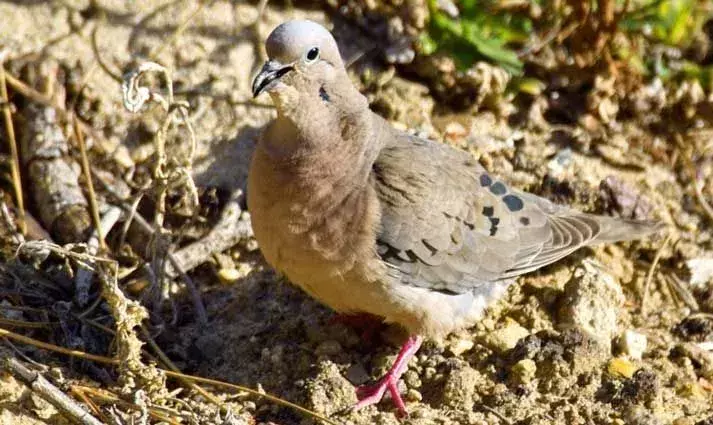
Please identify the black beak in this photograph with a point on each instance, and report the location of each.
(270, 72)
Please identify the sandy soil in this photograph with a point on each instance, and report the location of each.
(562, 348)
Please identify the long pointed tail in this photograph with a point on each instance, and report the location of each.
(619, 229)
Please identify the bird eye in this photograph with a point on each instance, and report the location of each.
(313, 54)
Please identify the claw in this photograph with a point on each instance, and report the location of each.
(372, 394)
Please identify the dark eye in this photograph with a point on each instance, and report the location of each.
(313, 54)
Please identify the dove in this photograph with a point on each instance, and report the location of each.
(370, 219)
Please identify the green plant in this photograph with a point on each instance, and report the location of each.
(481, 32)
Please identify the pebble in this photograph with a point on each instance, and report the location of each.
(459, 389)
(524, 371)
(506, 338)
(621, 367)
(357, 375)
(701, 269)
(460, 346)
(411, 379)
(692, 390)
(413, 395)
(633, 344)
(229, 275)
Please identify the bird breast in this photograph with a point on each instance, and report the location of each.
(310, 225)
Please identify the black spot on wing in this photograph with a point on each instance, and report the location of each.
(323, 94)
(498, 188)
(494, 221)
(488, 211)
(430, 247)
(525, 221)
(514, 203)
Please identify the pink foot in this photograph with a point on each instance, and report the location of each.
(372, 394)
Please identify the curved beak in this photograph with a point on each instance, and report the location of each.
(270, 73)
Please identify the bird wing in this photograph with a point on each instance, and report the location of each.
(448, 225)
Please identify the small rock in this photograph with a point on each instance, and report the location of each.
(328, 348)
(413, 395)
(638, 415)
(460, 346)
(619, 366)
(633, 344)
(701, 269)
(229, 275)
(357, 375)
(11, 390)
(329, 392)
(643, 388)
(619, 197)
(454, 132)
(560, 167)
(506, 338)
(459, 389)
(591, 302)
(692, 390)
(524, 371)
(411, 379)
(43, 409)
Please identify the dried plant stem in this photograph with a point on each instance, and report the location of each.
(44, 345)
(169, 373)
(698, 187)
(89, 403)
(25, 324)
(31, 93)
(15, 166)
(650, 275)
(95, 48)
(179, 30)
(250, 391)
(93, 204)
(170, 365)
(108, 397)
(49, 392)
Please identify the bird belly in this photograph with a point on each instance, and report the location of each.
(365, 286)
(435, 314)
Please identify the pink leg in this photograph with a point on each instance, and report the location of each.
(372, 394)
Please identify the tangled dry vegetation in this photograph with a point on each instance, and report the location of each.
(131, 291)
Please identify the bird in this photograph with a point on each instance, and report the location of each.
(367, 218)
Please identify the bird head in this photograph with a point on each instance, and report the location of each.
(303, 57)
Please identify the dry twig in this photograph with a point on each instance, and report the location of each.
(227, 232)
(650, 275)
(15, 165)
(93, 204)
(49, 392)
(107, 360)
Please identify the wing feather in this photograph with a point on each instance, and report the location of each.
(450, 226)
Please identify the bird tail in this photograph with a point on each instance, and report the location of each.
(618, 229)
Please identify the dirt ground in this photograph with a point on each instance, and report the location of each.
(578, 342)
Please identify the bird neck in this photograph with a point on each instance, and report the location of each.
(320, 153)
